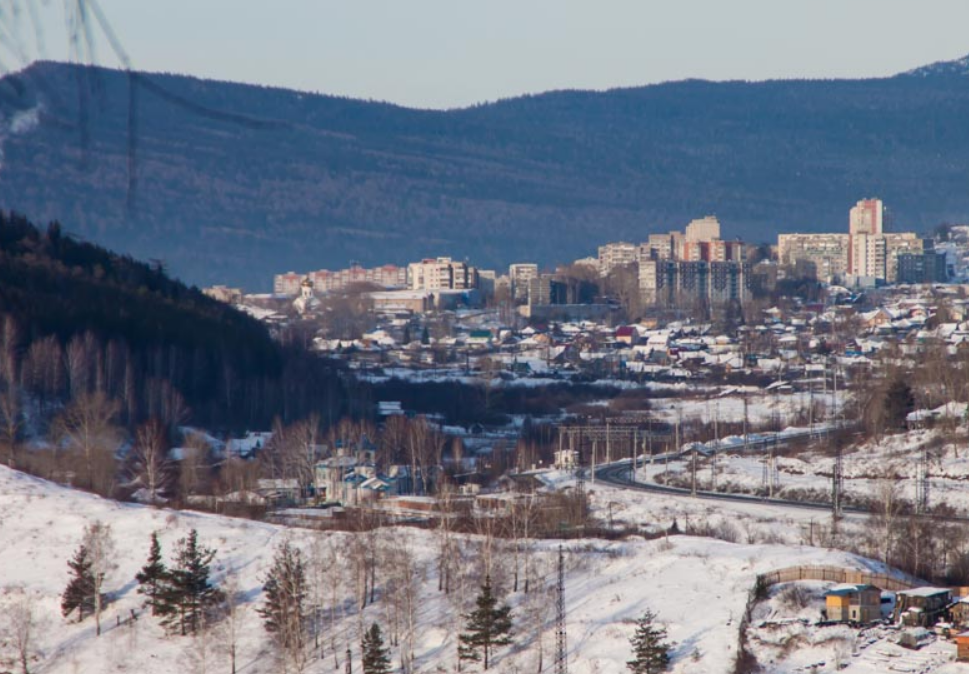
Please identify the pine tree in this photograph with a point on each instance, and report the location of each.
(650, 650)
(189, 594)
(488, 626)
(376, 658)
(284, 613)
(79, 593)
(153, 579)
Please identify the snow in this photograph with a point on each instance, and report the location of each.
(697, 586)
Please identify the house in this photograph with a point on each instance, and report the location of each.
(279, 492)
(626, 334)
(923, 606)
(853, 603)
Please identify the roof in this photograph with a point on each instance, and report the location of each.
(924, 591)
(846, 589)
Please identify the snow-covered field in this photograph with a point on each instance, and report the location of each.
(697, 586)
(868, 469)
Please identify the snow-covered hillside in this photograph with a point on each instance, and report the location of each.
(697, 586)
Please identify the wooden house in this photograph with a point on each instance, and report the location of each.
(853, 603)
(922, 606)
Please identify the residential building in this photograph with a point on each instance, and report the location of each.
(703, 229)
(617, 254)
(827, 254)
(866, 217)
(520, 274)
(324, 280)
(675, 283)
(853, 603)
(927, 267)
(287, 284)
(441, 273)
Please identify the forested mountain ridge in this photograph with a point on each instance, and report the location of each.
(232, 182)
(76, 319)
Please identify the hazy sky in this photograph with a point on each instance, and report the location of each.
(447, 53)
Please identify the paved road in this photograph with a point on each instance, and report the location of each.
(617, 474)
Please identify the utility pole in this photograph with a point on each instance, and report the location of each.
(561, 644)
(837, 485)
(922, 483)
(693, 471)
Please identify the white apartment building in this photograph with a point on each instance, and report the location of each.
(614, 255)
(440, 273)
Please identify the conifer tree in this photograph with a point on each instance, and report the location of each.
(376, 658)
(79, 593)
(650, 650)
(189, 594)
(488, 626)
(153, 579)
(284, 613)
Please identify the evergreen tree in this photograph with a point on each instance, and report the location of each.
(425, 336)
(376, 658)
(153, 579)
(488, 626)
(650, 650)
(284, 613)
(189, 594)
(899, 402)
(79, 593)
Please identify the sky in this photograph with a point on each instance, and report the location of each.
(454, 53)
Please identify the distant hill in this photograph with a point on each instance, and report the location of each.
(236, 182)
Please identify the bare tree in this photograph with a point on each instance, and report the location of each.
(404, 575)
(11, 424)
(101, 553)
(233, 614)
(151, 466)
(22, 624)
(87, 427)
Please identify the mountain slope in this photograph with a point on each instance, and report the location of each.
(236, 182)
(697, 586)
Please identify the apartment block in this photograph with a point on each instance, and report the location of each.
(520, 274)
(441, 273)
(617, 254)
(827, 254)
(683, 282)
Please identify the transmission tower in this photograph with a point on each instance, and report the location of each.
(922, 483)
(561, 654)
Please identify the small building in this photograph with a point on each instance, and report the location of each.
(962, 647)
(853, 603)
(922, 606)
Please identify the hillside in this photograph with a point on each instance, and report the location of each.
(233, 182)
(697, 586)
(78, 318)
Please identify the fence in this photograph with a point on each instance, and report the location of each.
(838, 575)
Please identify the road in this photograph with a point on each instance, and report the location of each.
(617, 475)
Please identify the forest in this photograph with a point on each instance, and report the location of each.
(78, 319)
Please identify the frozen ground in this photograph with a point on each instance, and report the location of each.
(868, 469)
(697, 586)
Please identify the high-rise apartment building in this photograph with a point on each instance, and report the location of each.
(441, 273)
(866, 217)
(703, 229)
(617, 254)
(520, 274)
(825, 254)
